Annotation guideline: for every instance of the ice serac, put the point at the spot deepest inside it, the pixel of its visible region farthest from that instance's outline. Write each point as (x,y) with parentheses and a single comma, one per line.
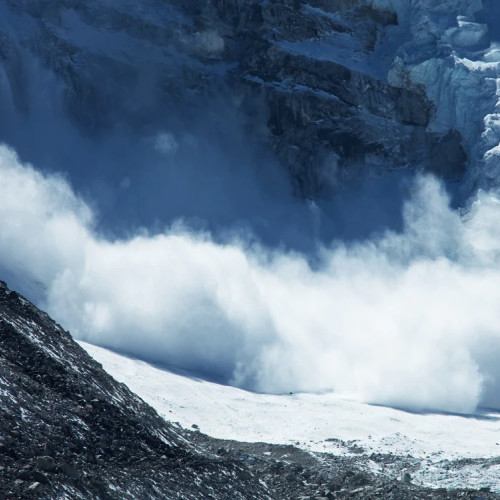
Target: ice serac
(453,55)
(335,88)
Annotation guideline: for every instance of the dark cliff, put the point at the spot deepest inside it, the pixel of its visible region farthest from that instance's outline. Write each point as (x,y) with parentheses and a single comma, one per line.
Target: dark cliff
(305,80)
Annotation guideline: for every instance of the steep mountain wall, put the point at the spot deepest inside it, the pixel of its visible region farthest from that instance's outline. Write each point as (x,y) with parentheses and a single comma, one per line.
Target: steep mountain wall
(334,88)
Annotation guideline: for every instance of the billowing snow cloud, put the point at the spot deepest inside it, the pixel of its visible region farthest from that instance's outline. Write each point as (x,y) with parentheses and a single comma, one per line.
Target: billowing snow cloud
(410,319)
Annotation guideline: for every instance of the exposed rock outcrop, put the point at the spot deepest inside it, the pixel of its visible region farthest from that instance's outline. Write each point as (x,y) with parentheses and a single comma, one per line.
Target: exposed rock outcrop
(305,79)
(68,429)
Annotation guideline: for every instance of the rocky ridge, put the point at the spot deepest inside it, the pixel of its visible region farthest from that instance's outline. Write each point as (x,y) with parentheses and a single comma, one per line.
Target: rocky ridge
(68,430)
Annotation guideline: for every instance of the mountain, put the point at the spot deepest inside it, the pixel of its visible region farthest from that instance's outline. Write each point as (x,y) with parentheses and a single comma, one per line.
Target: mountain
(68,430)
(334,88)
(280,195)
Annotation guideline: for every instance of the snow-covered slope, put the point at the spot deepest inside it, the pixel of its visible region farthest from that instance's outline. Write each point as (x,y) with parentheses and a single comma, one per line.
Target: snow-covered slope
(438,450)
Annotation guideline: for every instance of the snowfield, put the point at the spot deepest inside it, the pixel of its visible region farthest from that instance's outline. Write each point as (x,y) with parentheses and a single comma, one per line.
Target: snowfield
(438,450)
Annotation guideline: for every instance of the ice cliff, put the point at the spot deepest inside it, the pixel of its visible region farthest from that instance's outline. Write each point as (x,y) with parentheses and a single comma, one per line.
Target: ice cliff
(453,53)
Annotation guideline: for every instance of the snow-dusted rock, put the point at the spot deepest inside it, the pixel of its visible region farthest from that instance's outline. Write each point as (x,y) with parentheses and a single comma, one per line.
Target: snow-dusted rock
(308,79)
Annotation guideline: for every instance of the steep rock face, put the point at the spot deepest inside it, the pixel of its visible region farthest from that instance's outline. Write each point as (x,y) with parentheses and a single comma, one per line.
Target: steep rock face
(329,106)
(306,79)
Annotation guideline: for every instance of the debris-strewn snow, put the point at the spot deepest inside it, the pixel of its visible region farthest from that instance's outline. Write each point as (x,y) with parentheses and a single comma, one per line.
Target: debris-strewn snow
(321,422)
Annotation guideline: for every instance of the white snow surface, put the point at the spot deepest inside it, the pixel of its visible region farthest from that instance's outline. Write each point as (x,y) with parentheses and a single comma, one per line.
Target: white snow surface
(332,423)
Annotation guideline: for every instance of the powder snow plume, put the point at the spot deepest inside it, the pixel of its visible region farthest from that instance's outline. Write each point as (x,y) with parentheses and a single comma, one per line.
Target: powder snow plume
(408,318)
